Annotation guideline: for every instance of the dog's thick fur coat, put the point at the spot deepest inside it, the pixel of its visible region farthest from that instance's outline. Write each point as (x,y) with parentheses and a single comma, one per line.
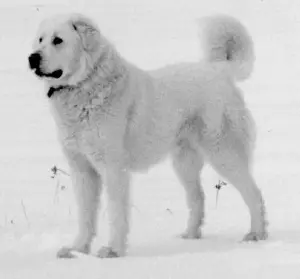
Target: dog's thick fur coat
(114,119)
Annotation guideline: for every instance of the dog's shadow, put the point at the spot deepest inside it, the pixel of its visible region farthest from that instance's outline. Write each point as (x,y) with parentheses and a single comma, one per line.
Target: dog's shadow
(214,243)
(177,246)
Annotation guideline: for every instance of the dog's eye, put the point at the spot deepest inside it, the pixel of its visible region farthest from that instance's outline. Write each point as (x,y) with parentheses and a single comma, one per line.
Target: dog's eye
(40,39)
(57,41)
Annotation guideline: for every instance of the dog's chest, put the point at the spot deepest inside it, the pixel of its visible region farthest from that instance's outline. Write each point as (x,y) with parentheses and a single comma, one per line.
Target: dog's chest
(81,123)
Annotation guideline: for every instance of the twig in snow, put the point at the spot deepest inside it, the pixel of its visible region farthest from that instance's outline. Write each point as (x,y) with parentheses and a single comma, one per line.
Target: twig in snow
(55,199)
(25,213)
(56,174)
(55,170)
(218,187)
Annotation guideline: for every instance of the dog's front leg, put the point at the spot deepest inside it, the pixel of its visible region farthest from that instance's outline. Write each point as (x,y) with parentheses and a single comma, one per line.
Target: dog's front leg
(118,183)
(87,186)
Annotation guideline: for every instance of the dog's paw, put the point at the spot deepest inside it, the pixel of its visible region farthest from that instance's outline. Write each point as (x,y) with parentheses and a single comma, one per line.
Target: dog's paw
(255,236)
(191,235)
(66,252)
(107,252)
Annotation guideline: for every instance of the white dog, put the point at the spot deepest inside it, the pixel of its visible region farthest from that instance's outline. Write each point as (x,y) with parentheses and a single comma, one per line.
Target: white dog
(114,119)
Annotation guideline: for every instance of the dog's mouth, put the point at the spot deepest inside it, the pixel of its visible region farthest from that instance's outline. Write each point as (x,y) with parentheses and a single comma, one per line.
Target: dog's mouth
(55,74)
(35,60)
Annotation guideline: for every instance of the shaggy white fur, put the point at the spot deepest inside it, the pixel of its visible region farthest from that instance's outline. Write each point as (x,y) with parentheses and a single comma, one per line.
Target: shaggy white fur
(114,119)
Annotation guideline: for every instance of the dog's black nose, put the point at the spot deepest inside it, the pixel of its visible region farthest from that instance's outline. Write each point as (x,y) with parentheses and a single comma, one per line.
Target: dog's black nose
(35,60)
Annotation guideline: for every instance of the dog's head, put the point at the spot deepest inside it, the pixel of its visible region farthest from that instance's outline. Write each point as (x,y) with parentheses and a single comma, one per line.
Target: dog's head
(66,49)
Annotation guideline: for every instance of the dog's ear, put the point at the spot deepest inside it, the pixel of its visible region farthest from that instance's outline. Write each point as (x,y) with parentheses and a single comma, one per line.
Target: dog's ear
(88,32)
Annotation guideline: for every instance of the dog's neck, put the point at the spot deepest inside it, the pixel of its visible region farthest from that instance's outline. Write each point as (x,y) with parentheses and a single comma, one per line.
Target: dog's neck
(106,71)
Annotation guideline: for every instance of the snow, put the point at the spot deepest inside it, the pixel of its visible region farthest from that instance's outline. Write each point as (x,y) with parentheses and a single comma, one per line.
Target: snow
(35,220)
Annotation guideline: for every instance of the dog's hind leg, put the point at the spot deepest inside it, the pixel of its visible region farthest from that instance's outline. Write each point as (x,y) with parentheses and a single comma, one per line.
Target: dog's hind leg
(229,156)
(187,164)
(87,186)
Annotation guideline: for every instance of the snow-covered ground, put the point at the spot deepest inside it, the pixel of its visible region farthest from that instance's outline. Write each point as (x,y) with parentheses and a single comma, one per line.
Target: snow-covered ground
(36,219)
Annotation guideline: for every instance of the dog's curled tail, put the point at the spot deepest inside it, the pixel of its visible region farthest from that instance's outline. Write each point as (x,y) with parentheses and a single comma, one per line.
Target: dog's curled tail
(225,39)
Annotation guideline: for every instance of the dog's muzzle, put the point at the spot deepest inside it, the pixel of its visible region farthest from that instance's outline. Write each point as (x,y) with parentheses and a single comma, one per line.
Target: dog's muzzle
(35,64)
